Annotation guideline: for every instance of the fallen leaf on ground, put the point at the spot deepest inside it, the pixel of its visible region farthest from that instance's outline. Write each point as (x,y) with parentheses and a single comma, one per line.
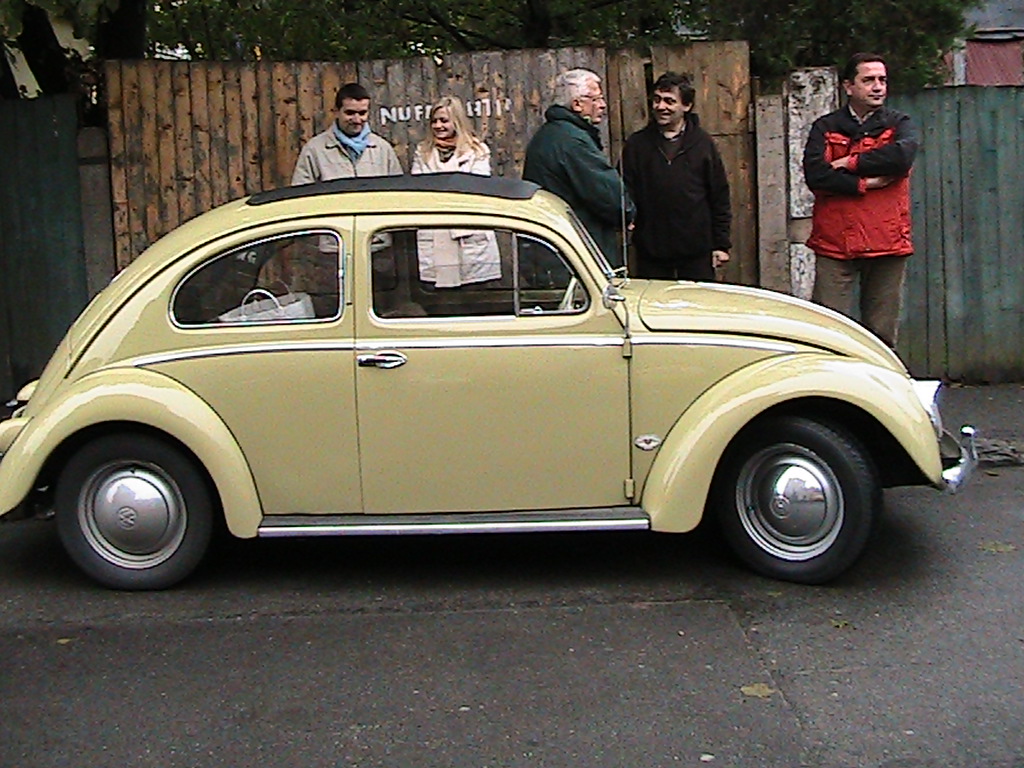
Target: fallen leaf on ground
(758,690)
(997,547)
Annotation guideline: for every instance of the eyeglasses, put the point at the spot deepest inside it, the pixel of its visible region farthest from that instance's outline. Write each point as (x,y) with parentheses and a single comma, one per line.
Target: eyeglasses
(592,98)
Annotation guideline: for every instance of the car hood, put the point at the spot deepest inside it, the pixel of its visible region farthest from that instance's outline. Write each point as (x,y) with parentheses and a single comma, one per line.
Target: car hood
(732,309)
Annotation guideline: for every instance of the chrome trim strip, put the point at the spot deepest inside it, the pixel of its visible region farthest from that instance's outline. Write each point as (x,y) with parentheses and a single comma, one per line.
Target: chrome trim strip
(709,340)
(241,349)
(954,478)
(496,342)
(376,529)
(565,340)
(394,343)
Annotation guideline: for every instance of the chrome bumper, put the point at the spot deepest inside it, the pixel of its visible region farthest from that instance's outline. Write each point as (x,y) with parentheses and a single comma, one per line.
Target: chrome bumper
(961,455)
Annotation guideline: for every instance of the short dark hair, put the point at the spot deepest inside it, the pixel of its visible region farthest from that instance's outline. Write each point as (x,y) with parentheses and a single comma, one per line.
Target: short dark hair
(850,70)
(682,83)
(353,91)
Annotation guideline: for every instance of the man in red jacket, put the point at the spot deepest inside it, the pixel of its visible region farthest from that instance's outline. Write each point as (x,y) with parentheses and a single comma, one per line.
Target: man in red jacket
(857,162)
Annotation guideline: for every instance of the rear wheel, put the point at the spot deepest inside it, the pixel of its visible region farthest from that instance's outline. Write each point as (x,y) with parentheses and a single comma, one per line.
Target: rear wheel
(796,499)
(133,512)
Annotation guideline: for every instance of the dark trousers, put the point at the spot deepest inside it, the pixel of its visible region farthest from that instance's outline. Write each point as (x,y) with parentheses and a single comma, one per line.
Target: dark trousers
(880,280)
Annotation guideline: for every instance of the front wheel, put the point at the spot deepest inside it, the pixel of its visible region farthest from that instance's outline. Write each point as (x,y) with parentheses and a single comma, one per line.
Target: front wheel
(133,512)
(796,499)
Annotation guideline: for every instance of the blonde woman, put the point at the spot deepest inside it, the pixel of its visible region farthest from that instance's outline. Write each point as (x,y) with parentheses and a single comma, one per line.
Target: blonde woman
(450,258)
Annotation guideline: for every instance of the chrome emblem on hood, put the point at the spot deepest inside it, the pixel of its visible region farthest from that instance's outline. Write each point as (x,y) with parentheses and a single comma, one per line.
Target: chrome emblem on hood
(647,442)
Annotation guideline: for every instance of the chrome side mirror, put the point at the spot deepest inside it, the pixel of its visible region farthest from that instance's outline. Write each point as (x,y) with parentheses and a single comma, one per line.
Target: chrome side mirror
(610,295)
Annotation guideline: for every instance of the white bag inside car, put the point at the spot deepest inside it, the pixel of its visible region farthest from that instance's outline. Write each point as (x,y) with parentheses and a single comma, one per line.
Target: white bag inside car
(270,308)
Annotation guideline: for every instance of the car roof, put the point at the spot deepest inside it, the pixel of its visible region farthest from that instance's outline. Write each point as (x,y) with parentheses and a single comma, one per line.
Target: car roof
(471,184)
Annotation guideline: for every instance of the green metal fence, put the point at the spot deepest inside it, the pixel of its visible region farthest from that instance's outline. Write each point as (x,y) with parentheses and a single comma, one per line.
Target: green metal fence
(42,264)
(964,301)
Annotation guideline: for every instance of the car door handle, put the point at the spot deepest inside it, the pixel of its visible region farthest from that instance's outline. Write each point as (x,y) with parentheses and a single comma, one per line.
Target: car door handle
(382,360)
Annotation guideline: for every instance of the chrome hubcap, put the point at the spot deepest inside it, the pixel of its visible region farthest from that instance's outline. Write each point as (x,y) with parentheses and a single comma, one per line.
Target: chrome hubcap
(789,502)
(132,515)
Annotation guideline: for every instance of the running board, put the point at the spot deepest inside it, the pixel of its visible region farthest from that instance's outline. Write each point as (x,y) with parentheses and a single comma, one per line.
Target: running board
(601,519)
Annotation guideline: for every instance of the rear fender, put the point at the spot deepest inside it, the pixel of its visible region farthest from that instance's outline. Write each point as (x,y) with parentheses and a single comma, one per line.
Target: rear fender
(141,397)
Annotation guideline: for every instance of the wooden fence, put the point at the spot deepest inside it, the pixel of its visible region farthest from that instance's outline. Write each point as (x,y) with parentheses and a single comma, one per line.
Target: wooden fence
(186,136)
(964,299)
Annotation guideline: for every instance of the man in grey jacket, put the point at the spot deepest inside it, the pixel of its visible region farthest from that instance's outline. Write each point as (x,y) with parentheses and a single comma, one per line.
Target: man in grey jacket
(348,148)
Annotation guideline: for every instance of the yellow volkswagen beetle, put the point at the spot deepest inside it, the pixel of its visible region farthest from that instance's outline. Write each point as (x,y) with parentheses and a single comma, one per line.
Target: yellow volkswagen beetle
(452,354)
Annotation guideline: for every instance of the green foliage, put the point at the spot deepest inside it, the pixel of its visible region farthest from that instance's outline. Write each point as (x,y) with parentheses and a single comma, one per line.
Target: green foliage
(85,15)
(783,34)
(338,30)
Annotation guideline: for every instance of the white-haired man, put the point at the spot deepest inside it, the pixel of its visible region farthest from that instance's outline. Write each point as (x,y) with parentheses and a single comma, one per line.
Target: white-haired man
(565,157)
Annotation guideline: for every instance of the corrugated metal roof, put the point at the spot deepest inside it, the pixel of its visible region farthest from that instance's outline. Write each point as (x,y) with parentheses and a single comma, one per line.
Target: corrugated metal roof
(992,63)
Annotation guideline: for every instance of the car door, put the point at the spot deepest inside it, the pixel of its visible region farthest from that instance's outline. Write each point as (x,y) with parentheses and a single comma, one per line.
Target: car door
(264,332)
(503,392)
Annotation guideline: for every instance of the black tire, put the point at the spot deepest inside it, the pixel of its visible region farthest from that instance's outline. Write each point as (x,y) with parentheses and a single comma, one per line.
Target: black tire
(815,527)
(133,512)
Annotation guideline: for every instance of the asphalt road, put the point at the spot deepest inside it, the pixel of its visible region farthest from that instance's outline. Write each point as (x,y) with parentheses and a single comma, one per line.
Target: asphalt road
(624,650)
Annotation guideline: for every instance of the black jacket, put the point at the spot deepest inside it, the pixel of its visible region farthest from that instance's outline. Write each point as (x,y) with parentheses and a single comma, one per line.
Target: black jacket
(565,157)
(682,206)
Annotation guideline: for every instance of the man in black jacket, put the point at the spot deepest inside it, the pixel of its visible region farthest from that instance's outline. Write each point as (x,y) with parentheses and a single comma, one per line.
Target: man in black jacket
(676,178)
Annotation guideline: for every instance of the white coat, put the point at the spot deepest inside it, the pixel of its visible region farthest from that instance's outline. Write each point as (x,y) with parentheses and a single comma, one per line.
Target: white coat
(449,258)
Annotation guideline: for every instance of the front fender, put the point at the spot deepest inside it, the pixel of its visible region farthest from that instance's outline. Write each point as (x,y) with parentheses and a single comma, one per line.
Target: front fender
(142,397)
(680,478)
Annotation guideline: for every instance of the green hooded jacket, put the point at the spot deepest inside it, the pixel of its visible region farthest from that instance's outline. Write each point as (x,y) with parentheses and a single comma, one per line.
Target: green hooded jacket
(565,157)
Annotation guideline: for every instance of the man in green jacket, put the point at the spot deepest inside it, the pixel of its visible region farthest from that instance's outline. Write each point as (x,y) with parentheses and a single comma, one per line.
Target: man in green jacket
(565,157)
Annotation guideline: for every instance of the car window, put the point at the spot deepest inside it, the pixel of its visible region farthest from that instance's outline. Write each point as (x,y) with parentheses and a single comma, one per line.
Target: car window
(290,278)
(440,272)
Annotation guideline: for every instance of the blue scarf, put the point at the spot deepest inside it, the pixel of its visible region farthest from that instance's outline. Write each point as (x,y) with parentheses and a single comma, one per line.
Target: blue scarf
(353,144)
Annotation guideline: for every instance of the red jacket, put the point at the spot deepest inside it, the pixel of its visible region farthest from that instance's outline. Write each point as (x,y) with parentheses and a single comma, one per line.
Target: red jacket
(851,221)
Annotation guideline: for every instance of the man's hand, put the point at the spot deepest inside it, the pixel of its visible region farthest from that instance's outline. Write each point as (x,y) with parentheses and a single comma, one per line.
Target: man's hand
(877,182)
(718,258)
(841,163)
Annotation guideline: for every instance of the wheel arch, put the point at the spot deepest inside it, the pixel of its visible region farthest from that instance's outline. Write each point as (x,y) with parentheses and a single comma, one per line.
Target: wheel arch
(876,406)
(139,401)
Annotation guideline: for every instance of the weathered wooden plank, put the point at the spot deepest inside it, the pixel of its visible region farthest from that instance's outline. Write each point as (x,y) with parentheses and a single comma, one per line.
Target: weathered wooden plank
(634,95)
(286,143)
(170,213)
(420,91)
(150,191)
(116,138)
(951,213)
(915,332)
(216,104)
(267,120)
(233,130)
(738,157)
(308,99)
(520,114)
(330,83)
(184,178)
(410,110)
(720,72)
(251,148)
(773,233)
(976,206)
(485,95)
(201,137)
(987,238)
(1002,106)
